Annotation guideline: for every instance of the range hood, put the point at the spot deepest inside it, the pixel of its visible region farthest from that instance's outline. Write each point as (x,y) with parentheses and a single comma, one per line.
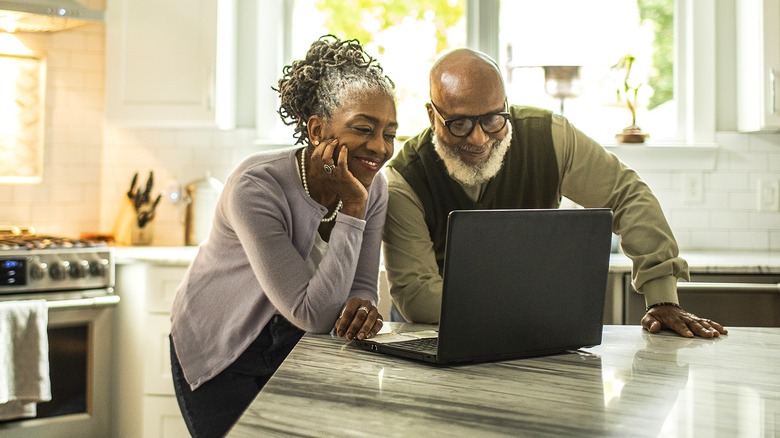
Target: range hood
(44,15)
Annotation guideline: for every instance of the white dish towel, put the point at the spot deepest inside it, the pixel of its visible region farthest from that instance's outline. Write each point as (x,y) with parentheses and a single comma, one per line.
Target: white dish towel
(24,358)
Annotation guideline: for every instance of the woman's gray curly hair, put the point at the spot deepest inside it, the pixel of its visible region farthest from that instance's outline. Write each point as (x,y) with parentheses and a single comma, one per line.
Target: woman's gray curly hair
(332,71)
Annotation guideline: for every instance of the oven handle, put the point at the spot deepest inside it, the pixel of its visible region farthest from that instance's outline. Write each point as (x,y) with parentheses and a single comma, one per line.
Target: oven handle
(105,301)
(728,287)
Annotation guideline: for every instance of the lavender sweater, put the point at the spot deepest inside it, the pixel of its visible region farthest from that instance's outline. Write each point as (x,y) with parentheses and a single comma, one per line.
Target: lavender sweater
(254,265)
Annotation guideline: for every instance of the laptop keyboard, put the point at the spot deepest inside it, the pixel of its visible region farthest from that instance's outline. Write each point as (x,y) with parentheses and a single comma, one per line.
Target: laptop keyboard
(422,344)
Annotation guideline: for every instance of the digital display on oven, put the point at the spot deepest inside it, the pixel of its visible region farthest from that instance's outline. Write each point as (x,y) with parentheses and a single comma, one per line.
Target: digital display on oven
(13,272)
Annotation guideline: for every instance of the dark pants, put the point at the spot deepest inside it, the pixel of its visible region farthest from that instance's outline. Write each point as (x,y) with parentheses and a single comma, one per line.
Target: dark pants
(213,408)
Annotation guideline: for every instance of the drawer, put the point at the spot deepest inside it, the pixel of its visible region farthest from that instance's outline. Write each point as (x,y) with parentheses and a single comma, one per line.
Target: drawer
(162,282)
(736,300)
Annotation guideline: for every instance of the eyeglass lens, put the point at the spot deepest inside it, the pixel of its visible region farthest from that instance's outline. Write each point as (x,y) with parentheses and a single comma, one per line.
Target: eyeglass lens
(490,123)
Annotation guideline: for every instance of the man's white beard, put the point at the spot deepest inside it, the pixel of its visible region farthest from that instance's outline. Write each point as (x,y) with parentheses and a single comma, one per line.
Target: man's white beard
(474,174)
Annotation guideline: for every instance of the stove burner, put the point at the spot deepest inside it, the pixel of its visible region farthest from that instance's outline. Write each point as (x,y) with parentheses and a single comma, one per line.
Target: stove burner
(12,242)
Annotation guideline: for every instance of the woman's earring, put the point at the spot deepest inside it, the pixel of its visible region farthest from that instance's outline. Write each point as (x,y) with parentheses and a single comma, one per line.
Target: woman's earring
(316,142)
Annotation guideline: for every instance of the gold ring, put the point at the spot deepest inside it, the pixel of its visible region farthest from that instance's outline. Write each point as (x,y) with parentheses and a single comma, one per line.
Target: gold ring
(363,308)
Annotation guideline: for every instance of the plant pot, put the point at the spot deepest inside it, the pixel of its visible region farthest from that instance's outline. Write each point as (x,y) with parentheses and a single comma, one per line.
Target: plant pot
(632,134)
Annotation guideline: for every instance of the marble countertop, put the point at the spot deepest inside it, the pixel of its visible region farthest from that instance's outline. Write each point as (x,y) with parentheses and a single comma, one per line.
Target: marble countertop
(716,262)
(737,262)
(164,255)
(633,384)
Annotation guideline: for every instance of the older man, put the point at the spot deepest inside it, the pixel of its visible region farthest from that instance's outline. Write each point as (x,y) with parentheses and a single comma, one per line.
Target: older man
(482,153)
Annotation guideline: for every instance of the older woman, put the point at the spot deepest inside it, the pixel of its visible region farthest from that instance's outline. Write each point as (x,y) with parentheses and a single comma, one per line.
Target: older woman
(295,241)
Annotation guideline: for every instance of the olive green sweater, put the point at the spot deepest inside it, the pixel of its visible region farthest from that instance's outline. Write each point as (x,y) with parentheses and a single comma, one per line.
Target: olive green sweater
(587,174)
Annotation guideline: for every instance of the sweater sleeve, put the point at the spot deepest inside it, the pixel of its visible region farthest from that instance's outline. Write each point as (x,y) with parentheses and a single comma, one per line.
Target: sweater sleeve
(365,284)
(593,177)
(265,225)
(410,261)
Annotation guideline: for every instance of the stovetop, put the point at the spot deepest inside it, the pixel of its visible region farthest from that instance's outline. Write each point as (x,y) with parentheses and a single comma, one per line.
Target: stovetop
(19,239)
(39,263)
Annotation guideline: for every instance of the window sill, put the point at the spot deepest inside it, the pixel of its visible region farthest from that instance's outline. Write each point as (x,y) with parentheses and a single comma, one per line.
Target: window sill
(666,156)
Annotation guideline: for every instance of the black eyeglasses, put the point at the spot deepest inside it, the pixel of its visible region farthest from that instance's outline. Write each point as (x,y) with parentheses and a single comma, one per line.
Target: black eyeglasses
(463,126)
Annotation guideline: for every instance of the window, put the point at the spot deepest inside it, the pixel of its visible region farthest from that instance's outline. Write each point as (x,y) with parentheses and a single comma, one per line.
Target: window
(388,30)
(608,71)
(408,35)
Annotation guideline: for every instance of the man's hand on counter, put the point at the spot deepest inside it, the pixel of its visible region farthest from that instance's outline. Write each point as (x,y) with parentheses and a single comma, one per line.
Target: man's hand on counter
(684,323)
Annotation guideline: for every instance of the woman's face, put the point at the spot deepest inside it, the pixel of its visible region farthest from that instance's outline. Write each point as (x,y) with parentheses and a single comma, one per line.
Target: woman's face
(366,124)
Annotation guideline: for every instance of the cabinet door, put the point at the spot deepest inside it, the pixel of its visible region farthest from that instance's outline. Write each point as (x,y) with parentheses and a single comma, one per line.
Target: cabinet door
(758,65)
(162,282)
(162,418)
(157,356)
(170,62)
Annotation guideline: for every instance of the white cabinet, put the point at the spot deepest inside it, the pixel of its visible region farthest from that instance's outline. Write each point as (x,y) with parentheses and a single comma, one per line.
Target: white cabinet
(166,421)
(170,62)
(145,404)
(758,65)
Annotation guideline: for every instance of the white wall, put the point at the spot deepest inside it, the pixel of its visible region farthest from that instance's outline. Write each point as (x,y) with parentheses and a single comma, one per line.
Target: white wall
(88,165)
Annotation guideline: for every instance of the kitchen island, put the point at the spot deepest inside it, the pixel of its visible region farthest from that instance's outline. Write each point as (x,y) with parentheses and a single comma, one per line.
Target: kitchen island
(633,384)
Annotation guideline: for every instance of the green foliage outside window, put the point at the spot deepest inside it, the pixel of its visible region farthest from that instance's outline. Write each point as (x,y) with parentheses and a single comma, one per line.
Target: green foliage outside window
(661,14)
(346,18)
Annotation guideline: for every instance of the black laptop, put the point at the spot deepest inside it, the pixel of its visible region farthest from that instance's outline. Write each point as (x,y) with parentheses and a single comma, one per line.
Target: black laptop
(517,283)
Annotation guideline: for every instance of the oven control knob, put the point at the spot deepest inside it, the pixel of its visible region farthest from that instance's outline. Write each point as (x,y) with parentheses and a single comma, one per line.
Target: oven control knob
(59,270)
(79,269)
(38,270)
(98,267)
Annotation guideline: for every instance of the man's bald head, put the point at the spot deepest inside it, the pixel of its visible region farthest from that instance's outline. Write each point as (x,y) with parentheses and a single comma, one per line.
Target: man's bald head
(463,76)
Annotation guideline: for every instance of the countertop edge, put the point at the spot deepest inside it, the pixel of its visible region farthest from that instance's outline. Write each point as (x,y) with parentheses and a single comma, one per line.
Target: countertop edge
(715,262)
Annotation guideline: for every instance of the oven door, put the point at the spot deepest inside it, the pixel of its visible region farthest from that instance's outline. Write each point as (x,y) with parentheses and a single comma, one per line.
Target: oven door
(79,366)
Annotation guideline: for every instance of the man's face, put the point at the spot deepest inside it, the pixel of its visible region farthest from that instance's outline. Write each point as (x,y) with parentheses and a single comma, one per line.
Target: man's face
(477,157)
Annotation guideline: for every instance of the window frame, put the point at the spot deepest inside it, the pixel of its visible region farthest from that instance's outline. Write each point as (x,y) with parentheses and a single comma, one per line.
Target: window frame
(694,73)
(694,69)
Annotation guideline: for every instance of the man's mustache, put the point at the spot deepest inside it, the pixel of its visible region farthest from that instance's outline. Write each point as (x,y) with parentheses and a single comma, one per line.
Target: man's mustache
(465,147)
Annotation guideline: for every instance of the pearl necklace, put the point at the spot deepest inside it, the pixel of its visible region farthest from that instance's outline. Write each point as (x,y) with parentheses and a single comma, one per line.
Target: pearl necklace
(306,188)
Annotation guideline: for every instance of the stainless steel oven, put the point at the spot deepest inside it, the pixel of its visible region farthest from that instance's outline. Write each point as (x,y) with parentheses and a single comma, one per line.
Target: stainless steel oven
(76,278)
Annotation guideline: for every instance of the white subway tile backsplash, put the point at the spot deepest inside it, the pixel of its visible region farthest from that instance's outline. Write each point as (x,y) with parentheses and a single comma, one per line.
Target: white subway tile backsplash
(72,40)
(88,61)
(690,218)
(764,220)
(743,200)
(749,162)
(726,181)
(195,138)
(706,239)
(765,142)
(731,141)
(774,164)
(754,239)
(730,220)
(16,213)
(774,240)
(657,180)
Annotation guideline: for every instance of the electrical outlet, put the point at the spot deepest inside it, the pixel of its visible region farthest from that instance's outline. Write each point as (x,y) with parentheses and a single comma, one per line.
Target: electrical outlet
(768,195)
(693,188)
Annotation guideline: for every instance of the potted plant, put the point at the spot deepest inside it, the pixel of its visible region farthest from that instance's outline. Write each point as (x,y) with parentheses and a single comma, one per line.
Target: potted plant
(628,93)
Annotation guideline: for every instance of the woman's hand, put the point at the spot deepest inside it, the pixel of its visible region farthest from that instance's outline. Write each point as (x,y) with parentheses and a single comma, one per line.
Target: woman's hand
(329,164)
(360,319)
